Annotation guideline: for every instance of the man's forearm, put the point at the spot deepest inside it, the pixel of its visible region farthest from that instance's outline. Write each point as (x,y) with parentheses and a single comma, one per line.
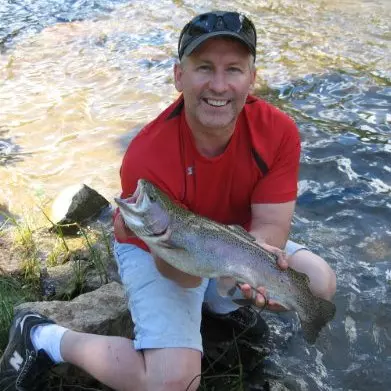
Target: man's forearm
(270,223)
(272,235)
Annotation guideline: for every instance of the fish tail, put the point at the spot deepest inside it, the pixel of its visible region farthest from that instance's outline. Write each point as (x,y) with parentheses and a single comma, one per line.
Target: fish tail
(319,314)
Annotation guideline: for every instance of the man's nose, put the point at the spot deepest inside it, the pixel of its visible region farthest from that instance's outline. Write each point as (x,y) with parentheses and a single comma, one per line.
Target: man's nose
(218,82)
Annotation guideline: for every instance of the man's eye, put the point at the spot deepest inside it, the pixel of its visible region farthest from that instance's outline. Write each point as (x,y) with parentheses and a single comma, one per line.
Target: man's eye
(204,67)
(234,70)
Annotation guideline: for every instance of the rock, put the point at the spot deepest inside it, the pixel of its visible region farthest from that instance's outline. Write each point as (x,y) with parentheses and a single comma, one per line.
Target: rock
(77,204)
(103,311)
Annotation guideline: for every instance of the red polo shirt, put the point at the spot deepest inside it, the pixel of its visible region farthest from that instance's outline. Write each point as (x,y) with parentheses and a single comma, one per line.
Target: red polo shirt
(259,165)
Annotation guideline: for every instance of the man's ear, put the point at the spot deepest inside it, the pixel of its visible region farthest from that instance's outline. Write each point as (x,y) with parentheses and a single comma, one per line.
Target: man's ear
(178,72)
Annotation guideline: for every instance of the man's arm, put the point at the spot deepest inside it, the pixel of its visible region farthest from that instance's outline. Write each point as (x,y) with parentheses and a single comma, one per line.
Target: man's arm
(270,225)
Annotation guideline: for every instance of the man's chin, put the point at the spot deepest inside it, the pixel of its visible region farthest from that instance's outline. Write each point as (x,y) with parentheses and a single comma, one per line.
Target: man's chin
(220,122)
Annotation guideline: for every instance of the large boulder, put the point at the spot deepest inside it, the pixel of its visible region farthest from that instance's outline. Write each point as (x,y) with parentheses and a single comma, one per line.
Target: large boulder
(103,311)
(77,204)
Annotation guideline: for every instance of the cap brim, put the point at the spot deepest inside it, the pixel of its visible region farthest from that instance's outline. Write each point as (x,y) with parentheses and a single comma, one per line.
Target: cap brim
(198,41)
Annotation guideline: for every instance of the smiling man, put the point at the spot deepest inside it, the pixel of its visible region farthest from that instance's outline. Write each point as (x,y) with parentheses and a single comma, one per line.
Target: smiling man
(221,153)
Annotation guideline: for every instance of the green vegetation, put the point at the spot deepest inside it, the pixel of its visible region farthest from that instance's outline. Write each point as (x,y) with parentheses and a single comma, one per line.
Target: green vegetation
(13,291)
(39,244)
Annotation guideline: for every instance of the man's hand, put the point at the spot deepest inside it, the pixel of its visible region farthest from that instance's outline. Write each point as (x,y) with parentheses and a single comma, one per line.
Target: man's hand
(282,260)
(259,297)
(121,231)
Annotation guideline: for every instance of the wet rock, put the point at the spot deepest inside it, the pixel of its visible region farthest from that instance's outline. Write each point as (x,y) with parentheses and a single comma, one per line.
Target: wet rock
(76,204)
(103,311)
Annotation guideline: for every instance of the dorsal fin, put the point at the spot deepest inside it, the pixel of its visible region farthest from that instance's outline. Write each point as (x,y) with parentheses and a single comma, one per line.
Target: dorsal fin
(239,230)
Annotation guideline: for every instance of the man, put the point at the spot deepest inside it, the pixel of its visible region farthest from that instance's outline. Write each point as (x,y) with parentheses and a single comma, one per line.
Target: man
(223,154)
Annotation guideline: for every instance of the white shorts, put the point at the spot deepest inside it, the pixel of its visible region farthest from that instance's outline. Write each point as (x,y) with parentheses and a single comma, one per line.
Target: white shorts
(165,314)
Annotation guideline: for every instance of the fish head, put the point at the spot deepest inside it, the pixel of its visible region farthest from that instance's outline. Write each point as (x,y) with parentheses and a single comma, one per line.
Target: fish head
(147,211)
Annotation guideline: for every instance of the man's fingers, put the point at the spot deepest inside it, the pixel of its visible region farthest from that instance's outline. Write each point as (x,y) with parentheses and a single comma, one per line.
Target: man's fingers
(246,290)
(260,300)
(282,261)
(121,231)
(258,296)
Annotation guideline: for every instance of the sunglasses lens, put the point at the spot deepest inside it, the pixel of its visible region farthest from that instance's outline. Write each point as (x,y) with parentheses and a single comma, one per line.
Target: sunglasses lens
(232,22)
(203,24)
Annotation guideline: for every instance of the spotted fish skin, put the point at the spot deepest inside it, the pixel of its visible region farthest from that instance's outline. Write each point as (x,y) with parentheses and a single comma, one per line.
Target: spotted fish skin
(201,247)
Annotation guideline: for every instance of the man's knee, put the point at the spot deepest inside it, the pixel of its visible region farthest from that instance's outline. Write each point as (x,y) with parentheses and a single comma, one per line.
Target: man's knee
(187,381)
(172,369)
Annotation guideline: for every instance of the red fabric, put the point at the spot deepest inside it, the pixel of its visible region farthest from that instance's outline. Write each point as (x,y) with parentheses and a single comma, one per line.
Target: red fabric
(221,188)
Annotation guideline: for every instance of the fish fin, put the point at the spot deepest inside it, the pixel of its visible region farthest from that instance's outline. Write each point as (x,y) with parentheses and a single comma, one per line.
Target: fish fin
(321,313)
(167,246)
(314,312)
(226,286)
(239,230)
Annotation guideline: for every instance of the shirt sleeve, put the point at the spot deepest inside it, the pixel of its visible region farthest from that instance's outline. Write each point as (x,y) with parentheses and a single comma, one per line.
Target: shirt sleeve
(280,182)
(135,166)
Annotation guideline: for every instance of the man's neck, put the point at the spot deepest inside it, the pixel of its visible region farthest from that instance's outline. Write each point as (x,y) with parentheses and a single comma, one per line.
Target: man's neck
(210,145)
(211,142)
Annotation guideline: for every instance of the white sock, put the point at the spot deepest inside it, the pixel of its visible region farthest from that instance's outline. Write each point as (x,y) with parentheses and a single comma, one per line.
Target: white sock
(48,337)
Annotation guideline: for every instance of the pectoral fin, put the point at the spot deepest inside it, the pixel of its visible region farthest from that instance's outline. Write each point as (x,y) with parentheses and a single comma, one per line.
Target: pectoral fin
(244,302)
(226,286)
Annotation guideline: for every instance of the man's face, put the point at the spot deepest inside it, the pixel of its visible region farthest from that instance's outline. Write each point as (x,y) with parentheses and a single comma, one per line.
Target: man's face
(215,81)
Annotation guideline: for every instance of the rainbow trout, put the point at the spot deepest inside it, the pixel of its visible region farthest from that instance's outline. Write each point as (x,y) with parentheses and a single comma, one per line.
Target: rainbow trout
(201,247)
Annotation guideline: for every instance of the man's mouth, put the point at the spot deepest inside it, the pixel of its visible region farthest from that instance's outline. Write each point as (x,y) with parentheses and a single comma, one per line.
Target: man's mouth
(216,102)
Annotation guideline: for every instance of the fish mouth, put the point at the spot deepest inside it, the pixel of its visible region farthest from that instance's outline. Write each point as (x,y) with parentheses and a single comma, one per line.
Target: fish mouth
(138,202)
(133,207)
(138,212)
(136,199)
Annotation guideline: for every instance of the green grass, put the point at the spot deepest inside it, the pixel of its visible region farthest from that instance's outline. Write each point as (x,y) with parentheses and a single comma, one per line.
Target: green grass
(12,292)
(96,256)
(34,246)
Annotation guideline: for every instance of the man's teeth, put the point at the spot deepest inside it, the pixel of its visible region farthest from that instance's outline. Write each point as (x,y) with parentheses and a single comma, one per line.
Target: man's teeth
(217,103)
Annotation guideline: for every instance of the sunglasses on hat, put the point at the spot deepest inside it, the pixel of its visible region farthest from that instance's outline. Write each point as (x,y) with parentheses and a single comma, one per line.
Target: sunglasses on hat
(213,24)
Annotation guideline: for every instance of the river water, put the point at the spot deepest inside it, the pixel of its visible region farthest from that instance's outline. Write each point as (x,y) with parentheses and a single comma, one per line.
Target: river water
(78,79)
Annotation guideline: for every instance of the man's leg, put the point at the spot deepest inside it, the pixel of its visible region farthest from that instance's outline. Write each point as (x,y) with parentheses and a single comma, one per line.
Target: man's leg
(165,355)
(115,362)
(166,352)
